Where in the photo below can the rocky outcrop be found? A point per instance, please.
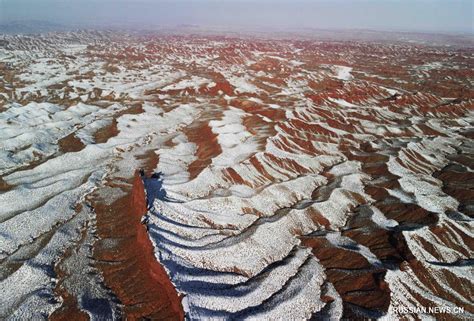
(126, 258)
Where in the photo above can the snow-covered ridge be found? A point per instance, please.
(293, 179)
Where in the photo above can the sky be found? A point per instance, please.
(390, 15)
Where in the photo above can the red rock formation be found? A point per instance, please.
(207, 147)
(353, 277)
(129, 266)
(70, 143)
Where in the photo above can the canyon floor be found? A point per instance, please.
(216, 177)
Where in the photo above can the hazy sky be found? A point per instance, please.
(407, 15)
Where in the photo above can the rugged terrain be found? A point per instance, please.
(279, 178)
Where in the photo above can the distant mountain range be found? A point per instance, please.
(453, 39)
(31, 26)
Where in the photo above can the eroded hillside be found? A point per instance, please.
(281, 179)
